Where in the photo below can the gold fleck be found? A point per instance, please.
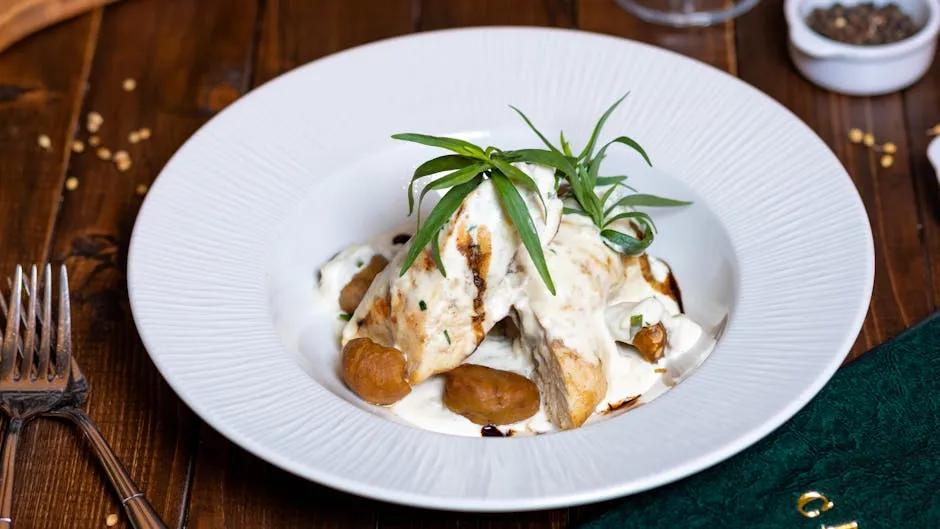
(841, 22)
(659, 370)
(111, 520)
(887, 161)
(93, 121)
(141, 189)
(144, 133)
(868, 139)
(129, 85)
(121, 155)
(851, 525)
(123, 164)
(133, 137)
(44, 142)
(94, 141)
(78, 146)
(71, 183)
(889, 148)
(855, 136)
(104, 153)
(809, 497)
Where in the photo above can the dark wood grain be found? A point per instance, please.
(187, 61)
(442, 14)
(714, 45)
(42, 80)
(191, 59)
(232, 488)
(922, 112)
(900, 298)
(20, 18)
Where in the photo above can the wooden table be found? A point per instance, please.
(190, 59)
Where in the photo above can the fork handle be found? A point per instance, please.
(7, 459)
(139, 511)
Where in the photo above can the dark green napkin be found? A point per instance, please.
(869, 441)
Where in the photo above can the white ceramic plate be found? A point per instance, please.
(225, 251)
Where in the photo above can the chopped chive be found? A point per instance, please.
(471, 228)
(447, 336)
(422, 305)
(345, 317)
(359, 264)
(636, 323)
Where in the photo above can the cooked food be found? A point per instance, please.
(525, 302)
(351, 295)
(490, 396)
(375, 372)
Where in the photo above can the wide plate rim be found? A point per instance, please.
(494, 504)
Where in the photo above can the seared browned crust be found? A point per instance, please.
(478, 255)
(351, 295)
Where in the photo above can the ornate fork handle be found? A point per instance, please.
(138, 509)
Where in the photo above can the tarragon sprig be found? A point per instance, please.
(581, 172)
(470, 166)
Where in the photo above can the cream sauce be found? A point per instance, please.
(628, 374)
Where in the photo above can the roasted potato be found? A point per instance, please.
(650, 342)
(351, 295)
(490, 396)
(374, 372)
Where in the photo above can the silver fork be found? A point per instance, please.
(70, 389)
(31, 382)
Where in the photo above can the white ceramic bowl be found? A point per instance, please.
(863, 70)
(223, 259)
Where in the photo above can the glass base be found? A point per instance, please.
(685, 13)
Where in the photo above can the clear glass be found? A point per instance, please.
(686, 13)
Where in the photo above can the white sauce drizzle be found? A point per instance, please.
(628, 374)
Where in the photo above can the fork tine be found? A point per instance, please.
(63, 346)
(11, 337)
(46, 337)
(29, 345)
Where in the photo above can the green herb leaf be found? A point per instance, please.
(460, 176)
(542, 157)
(564, 144)
(345, 316)
(535, 130)
(643, 218)
(574, 211)
(436, 253)
(636, 323)
(422, 305)
(645, 200)
(589, 148)
(461, 147)
(448, 162)
(518, 177)
(437, 218)
(447, 336)
(629, 142)
(614, 181)
(625, 244)
(610, 180)
(516, 209)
